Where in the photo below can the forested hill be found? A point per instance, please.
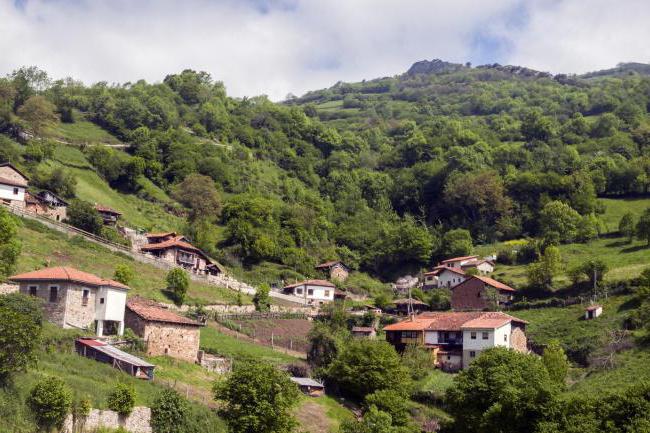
(387, 174)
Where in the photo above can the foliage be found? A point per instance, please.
(558, 217)
(257, 398)
(20, 331)
(198, 193)
(626, 226)
(50, 401)
(323, 346)
(541, 273)
(457, 242)
(10, 245)
(121, 399)
(38, 111)
(57, 180)
(365, 366)
(502, 390)
(124, 274)
(556, 362)
(261, 298)
(83, 215)
(643, 226)
(393, 403)
(417, 360)
(169, 412)
(374, 421)
(177, 283)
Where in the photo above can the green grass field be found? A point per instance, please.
(616, 208)
(45, 247)
(213, 341)
(81, 132)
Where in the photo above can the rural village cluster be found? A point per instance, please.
(73, 298)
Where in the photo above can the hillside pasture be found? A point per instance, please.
(287, 333)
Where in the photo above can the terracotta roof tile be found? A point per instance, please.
(453, 321)
(63, 273)
(323, 283)
(440, 269)
(160, 235)
(106, 209)
(175, 242)
(458, 259)
(329, 264)
(151, 311)
(494, 283)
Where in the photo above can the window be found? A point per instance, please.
(298, 291)
(448, 358)
(33, 290)
(84, 297)
(485, 335)
(472, 354)
(54, 293)
(15, 191)
(101, 300)
(327, 293)
(505, 338)
(310, 292)
(409, 334)
(473, 335)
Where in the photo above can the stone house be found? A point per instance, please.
(48, 204)
(455, 339)
(109, 216)
(176, 250)
(479, 292)
(312, 291)
(13, 185)
(163, 331)
(76, 299)
(334, 270)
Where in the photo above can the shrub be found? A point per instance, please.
(177, 284)
(168, 412)
(50, 401)
(124, 274)
(121, 399)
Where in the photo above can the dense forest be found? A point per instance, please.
(388, 175)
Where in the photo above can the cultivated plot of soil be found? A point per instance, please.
(287, 333)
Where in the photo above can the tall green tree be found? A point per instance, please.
(626, 226)
(177, 284)
(261, 299)
(456, 242)
(643, 226)
(556, 362)
(169, 412)
(10, 245)
(541, 273)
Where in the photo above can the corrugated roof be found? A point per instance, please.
(323, 283)
(115, 353)
(307, 381)
(362, 329)
(151, 311)
(402, 301)
(64, 273)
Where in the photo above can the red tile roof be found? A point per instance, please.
(323, 283)
(106, 209)
(174, 242)
(494, 283)
(329, 264)
(594, 307)
(62, 273)
(402, 301)
(12, 182)
(160, 235)
(440, 269)
(458, 259)
(453, 321)
(153, 312)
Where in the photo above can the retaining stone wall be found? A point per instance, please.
(138, 422)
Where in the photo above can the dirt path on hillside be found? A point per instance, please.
(313, 418)
(245, 337)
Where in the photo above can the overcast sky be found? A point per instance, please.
(274, 47)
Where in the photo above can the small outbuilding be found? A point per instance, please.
(309, 386)
(334, 269)
(364, 331)
(102, 352)
(593, 311)
(110, 216)
(406, 306)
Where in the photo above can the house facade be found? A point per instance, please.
(479, 292)
(13, 185)
(76, 299)
(443, 277)
(312, 291)
(176, 250)
(48, 204)
(483, 266)
(163, 331)
(455, 339)
(334, 270)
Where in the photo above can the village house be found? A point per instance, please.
(593, 311)
(403, 284)
(364, 331)
(479, 293)
(406, 306)
(109, 216)
(48, 204)
(312, 291)
(76, 299)
(163, 331)
(441, 277)
(176, 250)
(483, 266)
(334, 270)
(455, 339)
(13, 185)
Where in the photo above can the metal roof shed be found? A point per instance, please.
(102, 352)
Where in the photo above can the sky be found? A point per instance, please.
(277, 47)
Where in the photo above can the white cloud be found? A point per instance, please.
(276, 47)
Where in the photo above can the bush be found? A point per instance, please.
(177, 285)
(83, 215)
(121, 399)
(124, 274)
(507, 256)
(168, 412)
(50, 401)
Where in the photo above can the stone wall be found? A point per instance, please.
(6, 288)
(138, 422)
(78, 315)
(241, 309)
(518, 340)
(214, 363)
(337, 272)
(54, 311)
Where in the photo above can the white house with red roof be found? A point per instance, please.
(442, 276)
(457, 338)
(312, 291)
(484, 266)
(13, 185)
(77, 299)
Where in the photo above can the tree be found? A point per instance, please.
(556, 362)
(457, 242)
(365, 366)
(587, 228)
(10, 245)
(541, 273)
(169, 412)
(373, 421)
(323, 346)
(504, 391)
(121, 399)
(257, 398)
(417, 360)
(177, 284)
(626, 226)
(84, 216)
(198, 193)
(261, 298)
(594, 270)
(559, 217)
(20, 331)
(59, 181)
(39, 112)
(395, 404)
(124, 274)
(643, 226)
(536, 126)
(50, 401)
